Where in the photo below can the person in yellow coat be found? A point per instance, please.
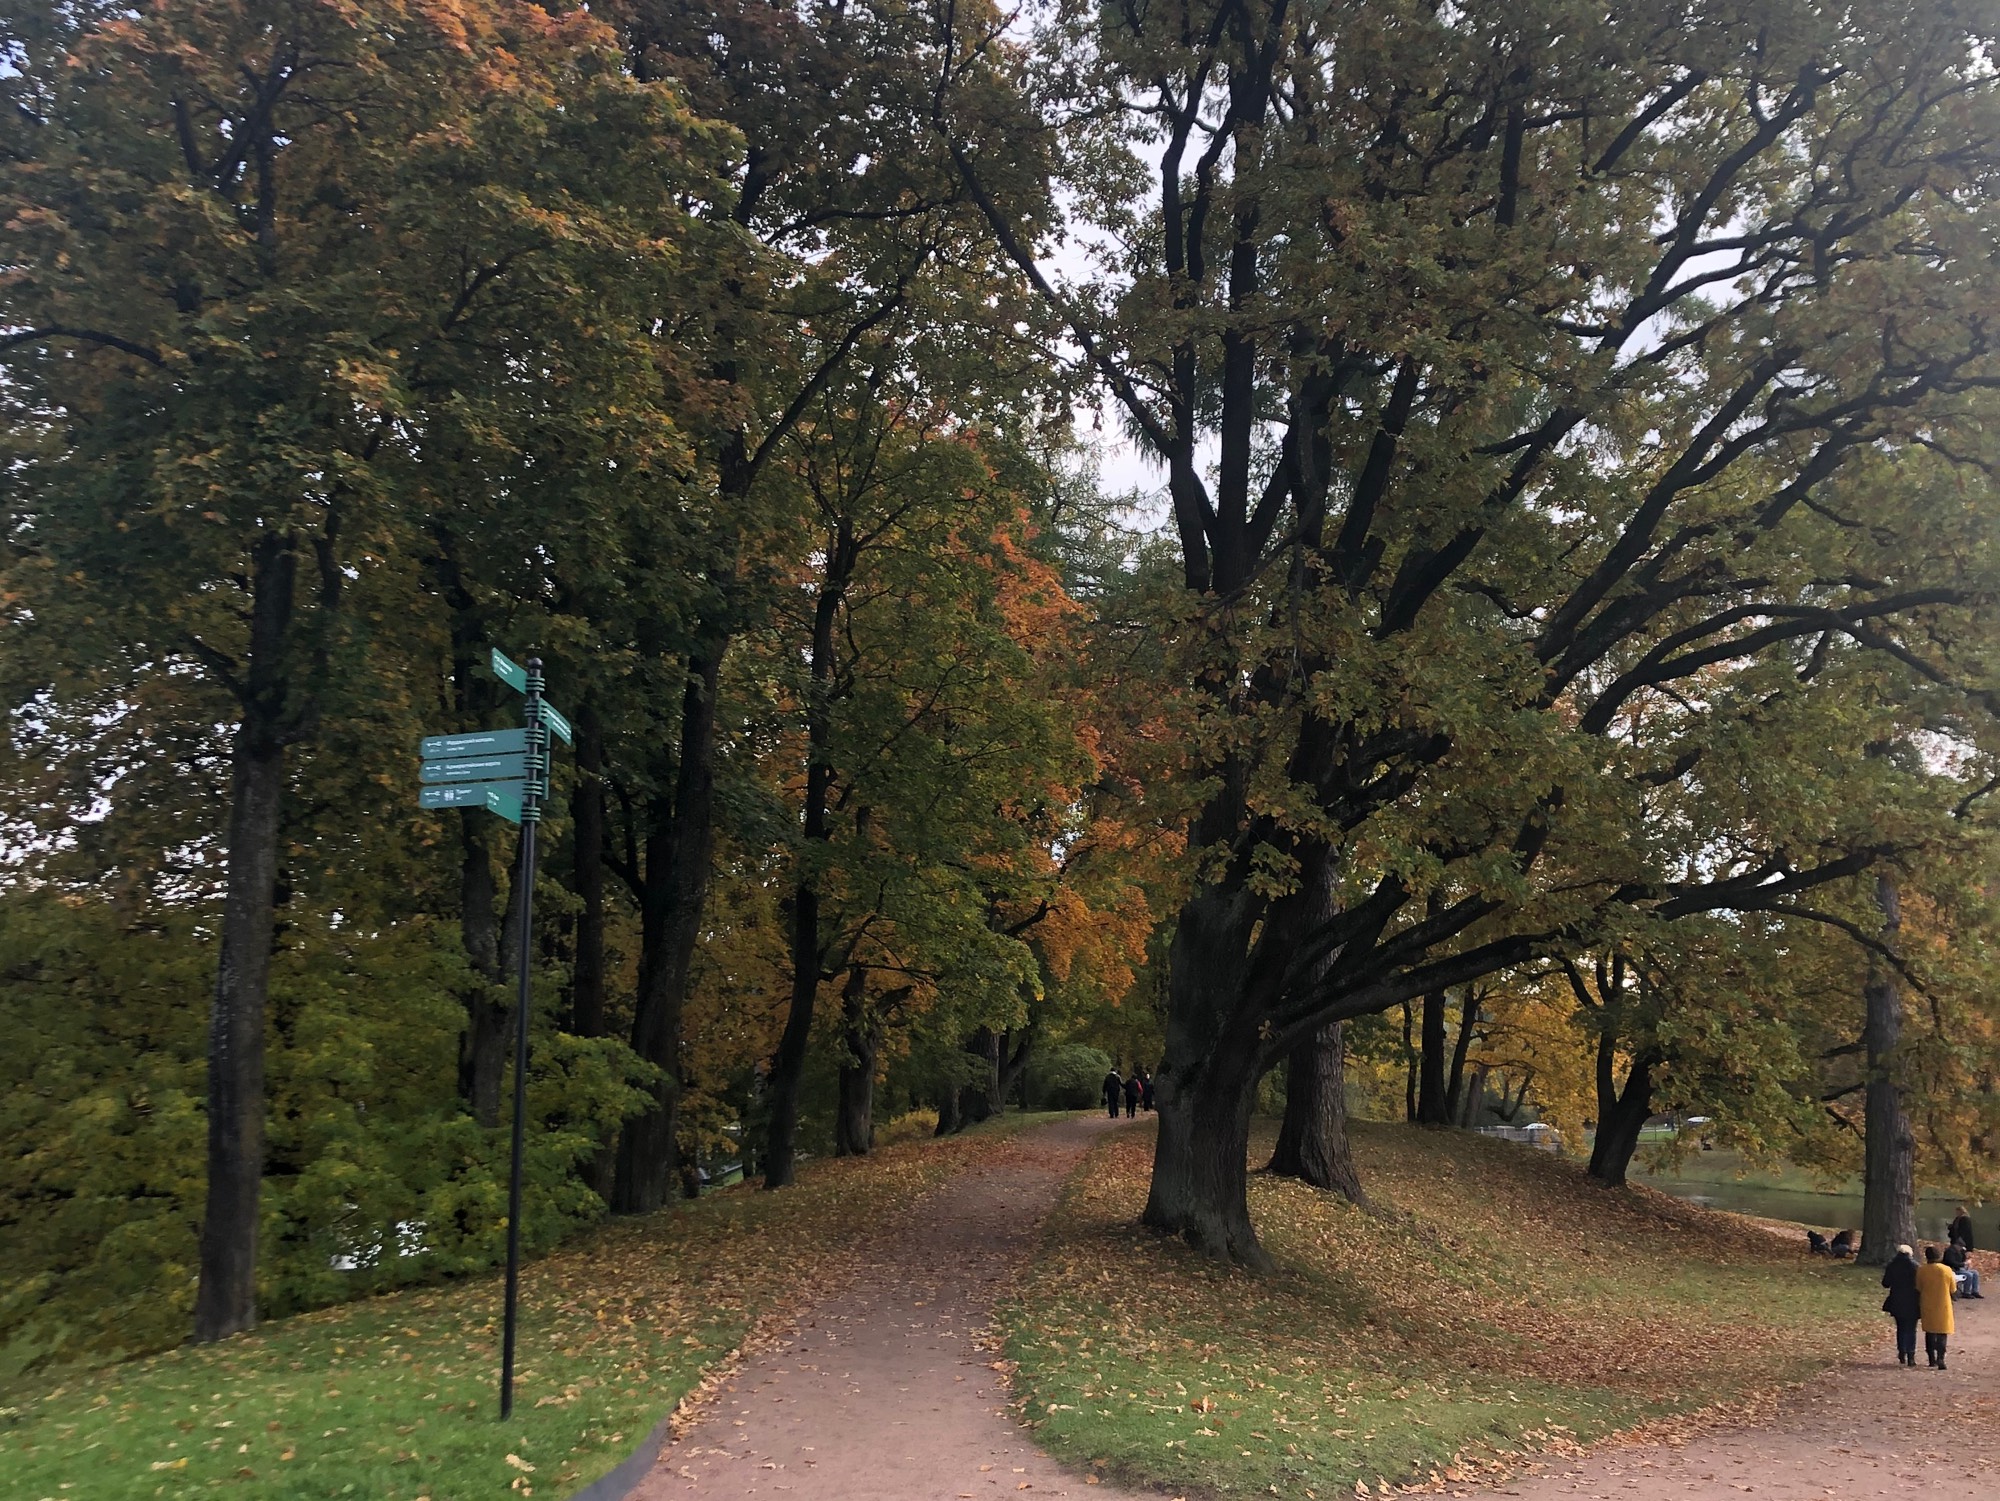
(1935, 1286)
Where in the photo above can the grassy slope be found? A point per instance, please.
(1493, 1302)
(394, 1398)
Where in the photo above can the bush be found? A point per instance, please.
(1069, 1076)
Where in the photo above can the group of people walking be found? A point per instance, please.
(1923, 1294)
(1130, 1092)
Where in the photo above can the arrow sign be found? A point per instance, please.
(504, 798)
(473, 743)
(467, 795)
(475, 769)
(510, 672)
(557, 725)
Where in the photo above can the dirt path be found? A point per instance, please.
(880, 1393)
(1867, 1429)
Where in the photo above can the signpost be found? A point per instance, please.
(505, 772)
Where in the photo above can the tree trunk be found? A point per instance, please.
(226, 1297)
(788, 1068)
(588, 980)
(1889, 1197)
(1468, 1021)
(482, 1046)
(586, 807)
(1475, 1097)
(854, 1120)
(676, 890)
(1312, 1142)
(1432, 1107)
(1014, 1050)
(948, 1116)
(1411, 1065)
(1200, 1161)
(1621, 1115)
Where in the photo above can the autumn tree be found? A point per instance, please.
(260, 251)
(1504, 366)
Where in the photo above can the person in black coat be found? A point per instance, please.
(1960, 1229)
(1133, 1089)
(1955, 1258)
(1114, 1091)
(1900, 1277)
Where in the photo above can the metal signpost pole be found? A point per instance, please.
(531, 816)
(505, 772)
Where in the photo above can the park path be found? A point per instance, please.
(1866, 1429)
(885, 1390)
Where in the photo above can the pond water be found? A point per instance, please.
(1824, 1211)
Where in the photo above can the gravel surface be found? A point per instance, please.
(1866, 1429)
(887, 1391)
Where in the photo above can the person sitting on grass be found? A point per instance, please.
(1935, 1285)
(1900, 1277)
(1843, 1245)
(1954, 1257)
(1816, 1244)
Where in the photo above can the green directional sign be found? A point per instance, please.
(510, 672)
(475, 769)
(558, 726)
(473, 743)
(464, 795)
(504, 798)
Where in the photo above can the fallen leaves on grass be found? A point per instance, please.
(1476, 1317)
(393, 1398)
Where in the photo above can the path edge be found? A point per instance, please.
(624, 1478)
(619, 1482)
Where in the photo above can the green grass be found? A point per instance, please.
(394, 1398)
(1492, 1302)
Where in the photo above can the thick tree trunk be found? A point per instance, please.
(226, 1297)
(1200, 1161)
(1312, 1142)
(854, 1120)
(982, 1100)
(1475, 1097)
(1433, 1108)
(1014, 1051)
(949, 1119)
(1889, 1196)
(1207, 1083)
(676, 890)
(482, 1046)
(1621, 1114)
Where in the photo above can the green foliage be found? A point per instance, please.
(376, 1176)
(1068, 1076)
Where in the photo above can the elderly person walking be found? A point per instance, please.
(1935, 1286)
(1900, 1277)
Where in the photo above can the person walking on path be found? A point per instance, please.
(1133, 1089)
(1114, 1091)
(1900, 1277)
(1935, 1285)
(1960, 1229)
(1146, 1094)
